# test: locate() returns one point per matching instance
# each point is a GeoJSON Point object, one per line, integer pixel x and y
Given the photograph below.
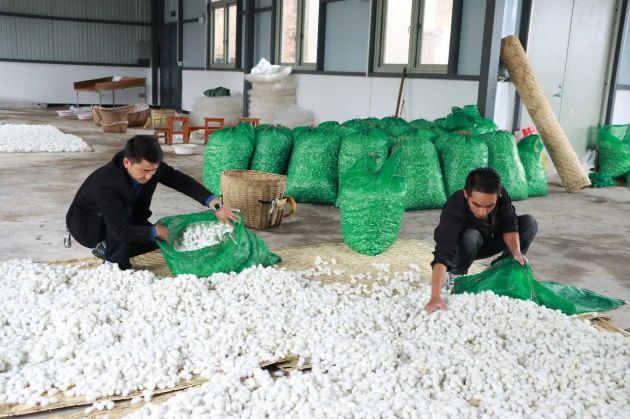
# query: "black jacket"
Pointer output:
{"type": "Point", "coordinates": [456, 217]}
{"type": "Point", "coordinates": [108, 198]}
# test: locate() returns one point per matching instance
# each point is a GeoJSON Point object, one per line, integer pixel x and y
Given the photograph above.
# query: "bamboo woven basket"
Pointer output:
{"type": "Point", "coordinates": [116, 127]}
{"type": "Point", "coordinates": [138, 115]}
{"type": "Point", "coordinates": [258, 195]}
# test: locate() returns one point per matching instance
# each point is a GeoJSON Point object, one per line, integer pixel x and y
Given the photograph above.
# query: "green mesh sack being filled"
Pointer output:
{"type": "Point", "coordinates": [238, 250]}
{"type": "Point", "coordinates": [273, 150]}
{"type": "Point", "coordinates": [372, 205]}
{"type": "Point", "coordinates": [366, 142]}
{"type": "Point", "coordinates": [313, 174]}
{"type": "Point", "coordinates": [529, 149]}
{"type": "Point", "coordinates": [508, 278]}
{"type": "Point", "coordinates": [459, 154]}
{"type": "Point", "coordinates": [420, 166]}
{"type": "Point", "coordinates": [503, 157]}
{"type": "Point", "coordinates": [227, 149]}
{"type": "Point", "coordinates": [614, 149]}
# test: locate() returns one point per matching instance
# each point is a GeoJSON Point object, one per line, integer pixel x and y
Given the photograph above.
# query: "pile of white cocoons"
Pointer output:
{"type": "Point", "coordinates": [103, 332]}
{"type": "Point", "coordinates": [21, 138]}
{"type": "Point", "coordinates": [202, 234]}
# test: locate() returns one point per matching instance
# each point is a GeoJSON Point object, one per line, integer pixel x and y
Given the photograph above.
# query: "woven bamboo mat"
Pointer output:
{"type": "Point", "coordinates": [399, 257]}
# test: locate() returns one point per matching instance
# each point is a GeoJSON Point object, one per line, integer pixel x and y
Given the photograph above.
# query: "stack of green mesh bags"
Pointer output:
{"type": "Point", "coordinates": [503, 157]}
{"type": "Point", "coordinates": [227, 149]}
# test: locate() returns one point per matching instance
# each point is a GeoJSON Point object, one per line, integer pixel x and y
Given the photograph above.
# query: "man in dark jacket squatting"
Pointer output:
{"type": "Point", "coordinates": [477, 222]}
{"type": "Point", "coordinates": [110, 211]}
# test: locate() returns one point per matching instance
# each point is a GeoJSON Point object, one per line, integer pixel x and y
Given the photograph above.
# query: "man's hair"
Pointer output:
{"type": "Point", "coordinates": [143, 147]}
{"type": "Point", "coordinates": [483, 180]}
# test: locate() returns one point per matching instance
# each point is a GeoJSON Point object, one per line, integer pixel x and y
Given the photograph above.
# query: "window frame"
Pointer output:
{"type": "Point", "coordinates": [225, 5]}
{"type": "Point", "coordinates": [300, 37]}
{"type": "Point", "coordinates": [415, 43]}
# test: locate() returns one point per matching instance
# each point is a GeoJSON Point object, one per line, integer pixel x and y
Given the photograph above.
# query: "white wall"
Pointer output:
{"type": "Point", "coordinates": [504, 105]}
{"type": "Point", "coordinates": [345, 97]}
{"type": "Point", "coordinates": [195, 82]}
{"type": "Point", "coordinates": [52, 83]}
{"type": "Point", "coordinates": [621, 114]}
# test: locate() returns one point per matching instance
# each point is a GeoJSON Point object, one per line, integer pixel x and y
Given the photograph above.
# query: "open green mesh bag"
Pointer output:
{"type": "Point", "coordinates": [420, 166]}
{"type": "Point", "coordinates": [227, 149]}
{"type": "Point", "coordinates": [459, 155]}
{"type": "Point", "coordinates": [273, 149]}
{"type": "Point", "coordinates": [366, 142]}
{"type": "Point", "coordinates": [236, 252]}
{"type": "Point", "coordinates": [313, 174]}
{"type": "Point", "coordinates": [507, 277]}
{"type": "Point", "coordinates": [614, 149]}
{"type": "Point", "coordinates": [371, 205]}
{"type": "Point", "coordinates": [503, 157]}
{"type": "Point", "coordinates": [529, 149]}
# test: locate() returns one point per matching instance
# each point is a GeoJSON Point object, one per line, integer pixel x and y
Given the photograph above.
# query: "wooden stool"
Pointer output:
{"type": "Point", "coordinates": [254, 121]}
{"type": "Point", "coordinates": [208, 129]}
{"type": "Point", "coordinates": [160, 133]}
{"type": "Point", "coordinates": [170, 121]}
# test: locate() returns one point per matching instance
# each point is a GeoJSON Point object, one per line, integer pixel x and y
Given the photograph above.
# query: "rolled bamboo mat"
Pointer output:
{"type": "Point", "coordinates": [522, 74]}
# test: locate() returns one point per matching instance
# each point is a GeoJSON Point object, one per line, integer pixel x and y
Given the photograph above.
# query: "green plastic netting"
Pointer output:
{"type": "Point", "coordinates": [503, 157]}
{"type": "Point", "coordinates": [529, 149]}
{"type": "Point", "coordinates": [600, 180]}
{"type": "Point", "coordinates": [328, 124]}
{"type": "Point", "coordinates": [273, 149]}
{"type": "Point", "coordinates": [507, 277]}
{"type": "Point", "coordinates": [467, 118]}
{"type": "Point", "coordinates": [366, 142]}
{"type": "Point", "coordinates": [217, 91]}
{"type": "Point", "coordinates": [420, 166]}
{"type": "Point", "coordinates": [459, 155]}
{"type": "Point", "coordinates": [313, 174]}
{"type": "Point", "coordinates": [227, 149]}
{"type": "Point", "coordinates": [394, 126]}
{"type": "Point", "coordinates": [240, 250]}
{"type": "Point", "coordinates": [614, 149]}
{"type": "Point", "coordinates": [371, 205]}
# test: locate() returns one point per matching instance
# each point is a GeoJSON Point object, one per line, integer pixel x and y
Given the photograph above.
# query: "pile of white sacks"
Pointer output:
{"type": "Point", "coordinates": [101, 332]}
{"type": "Point", "coordinates": [203, 234]}
{"type": "Point", "coordinates": [22, 138]}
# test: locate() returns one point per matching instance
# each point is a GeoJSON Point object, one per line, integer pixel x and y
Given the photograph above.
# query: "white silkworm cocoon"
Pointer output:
{"type": "Point", "coordinates": [202, 234]}
{"type": "Point", "coordinates": [22, 138]}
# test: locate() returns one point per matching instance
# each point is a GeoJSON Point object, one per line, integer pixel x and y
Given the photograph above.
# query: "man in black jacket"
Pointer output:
{"type": "Point", "coordinates": [477, 222]}
{"type": "Point", "coordinates": [111, 208]}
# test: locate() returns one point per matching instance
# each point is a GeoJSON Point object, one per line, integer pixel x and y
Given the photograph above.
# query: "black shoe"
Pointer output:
{"type": "Point", "coordinates": [99, 251]}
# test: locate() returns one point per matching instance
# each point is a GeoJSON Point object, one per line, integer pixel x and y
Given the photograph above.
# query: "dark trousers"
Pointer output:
{"type": "Point", "coordinates": [473, 245]}
{"type": "Point", "coordinates": [120, 252]}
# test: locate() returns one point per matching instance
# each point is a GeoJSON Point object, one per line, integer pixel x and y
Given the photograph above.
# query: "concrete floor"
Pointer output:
{"type": "Point", "coordinates": [583, 238]}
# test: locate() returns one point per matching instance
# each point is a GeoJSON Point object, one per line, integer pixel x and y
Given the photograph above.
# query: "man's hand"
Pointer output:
{"type": "Point", "coordinates": [435, 304]}
{"type": "Point", "coordinates": [162, 232]}
{"type": "Point", "coordinates": [226, 214]}
{"type": "Point", "coordinates": [520, 258]}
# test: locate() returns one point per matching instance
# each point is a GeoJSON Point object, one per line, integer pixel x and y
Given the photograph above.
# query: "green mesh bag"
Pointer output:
{"type": "Point", "coordinates": [468, 119]}
{"type": "Point", "coordinates": [394, 126]}
{"type": "Point", "coordinates": [273, 150]}
{"type": "Point", "coordinates": [329, 124]}
{"type": "Point", "coordinates": [614, 149]}
{"type": "Point", "coordinates": [529, 149]}
{"type": "Point", "coordinates": [366, 142]}
{"type": "Point", "coordinates": [227, 149]}
{"type": "Point", "coordinates": [313, 173]}
{"type": "Point", "coordinates": [503, 157]}
{"type": "Point", "coordinates": [507, 277]}
{"type": "Point", "coordinates": [217, 91]}
{"type": "Point", "coordinates": [600, 180]}
{"type": "Point", "coordinates": [459, 155]}
{"type": "Point", "coordinates": [420, 166]}
{"type": "Point", "coordinates": [356, 124]}
{"type": "Point", "coordinates": [371, 205]}
{"type": "Point", "coordinates": [236, 252]}
{"type": "Point", "coordinates": [297, 131]}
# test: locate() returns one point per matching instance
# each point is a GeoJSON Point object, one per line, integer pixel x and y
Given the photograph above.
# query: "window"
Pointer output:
{"type": "Point", "coordinates": [413, 33]}
{"type": "Point", "coordinates": [223, 33]}
{"type": "Point", "coordinates": [297, 33]}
